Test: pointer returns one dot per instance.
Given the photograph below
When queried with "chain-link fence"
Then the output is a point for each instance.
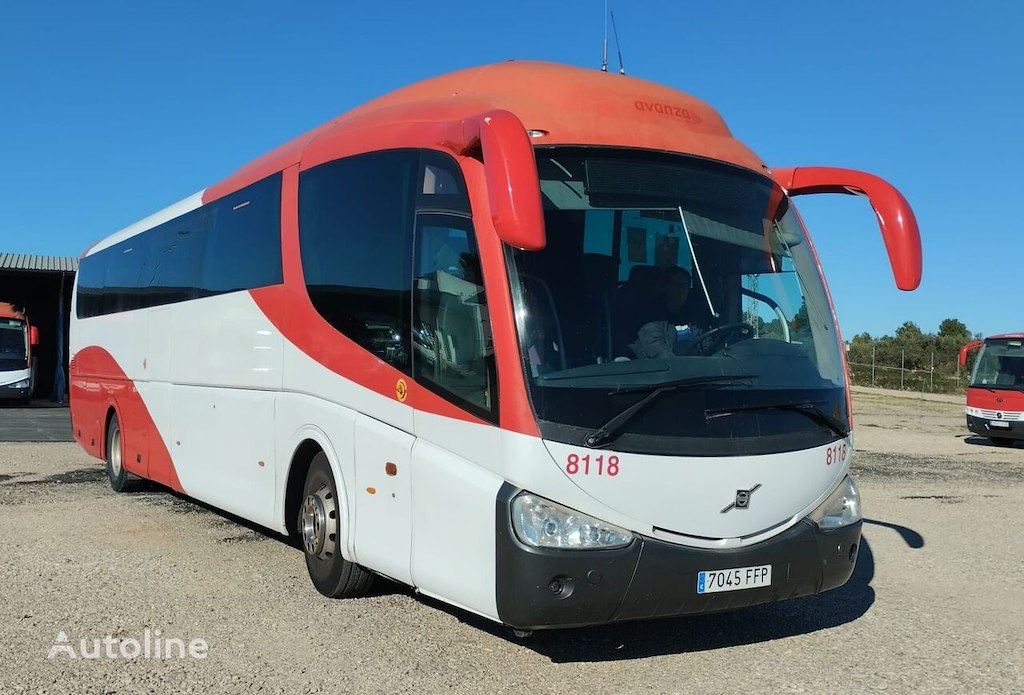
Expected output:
(939, 373)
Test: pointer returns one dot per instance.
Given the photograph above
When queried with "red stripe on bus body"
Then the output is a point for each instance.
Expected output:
(97, 384)
(303, 327)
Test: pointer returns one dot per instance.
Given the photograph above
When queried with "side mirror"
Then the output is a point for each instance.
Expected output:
(33, 335)
(510, 168)
(895, 218)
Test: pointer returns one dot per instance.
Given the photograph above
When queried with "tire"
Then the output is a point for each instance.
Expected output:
(319, 532)
(120, 479)
(1002, 441)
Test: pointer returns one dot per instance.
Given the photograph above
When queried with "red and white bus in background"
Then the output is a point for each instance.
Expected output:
(18, 338)
(410, 338)
(995, 393)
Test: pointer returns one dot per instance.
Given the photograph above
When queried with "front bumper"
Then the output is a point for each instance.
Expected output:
(650, 578)
(983, 426)
(11, 394)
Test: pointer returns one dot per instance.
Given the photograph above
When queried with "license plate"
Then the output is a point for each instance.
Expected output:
(999, 423)
(711, 581)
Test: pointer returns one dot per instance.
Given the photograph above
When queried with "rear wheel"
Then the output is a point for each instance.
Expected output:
(320, 532)
(120, 480)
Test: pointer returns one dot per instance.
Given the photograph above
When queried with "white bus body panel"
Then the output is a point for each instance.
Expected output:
(454, 542)
(383, 502)
(223, 448)
(691, 495)
(208, 371)
(13, 376)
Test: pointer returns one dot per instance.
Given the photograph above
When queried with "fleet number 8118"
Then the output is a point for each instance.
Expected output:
(835, 454)
(588, 465)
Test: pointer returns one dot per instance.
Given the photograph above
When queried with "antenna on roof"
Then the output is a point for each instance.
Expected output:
(604, 59)
(622, 68)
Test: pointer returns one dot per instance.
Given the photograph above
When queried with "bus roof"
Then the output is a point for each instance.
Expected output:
(569, 105)
(1006, 336)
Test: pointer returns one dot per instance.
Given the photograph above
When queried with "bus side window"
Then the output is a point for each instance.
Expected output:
(242, 239)
(355, 237)
(453, 352)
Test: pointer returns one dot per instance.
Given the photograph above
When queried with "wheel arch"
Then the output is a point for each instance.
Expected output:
(307, 443)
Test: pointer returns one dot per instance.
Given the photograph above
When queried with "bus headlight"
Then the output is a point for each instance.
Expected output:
(23, 384)
(842, 507)
(545, 524)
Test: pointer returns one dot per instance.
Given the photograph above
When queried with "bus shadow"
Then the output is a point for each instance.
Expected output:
(975, 440)
(157, 494)
(698, 633)
(689, 634)
(629, 640)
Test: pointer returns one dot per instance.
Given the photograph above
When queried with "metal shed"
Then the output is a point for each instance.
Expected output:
(42, 284)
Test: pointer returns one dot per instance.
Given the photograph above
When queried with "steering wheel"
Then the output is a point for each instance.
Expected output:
(718, 338)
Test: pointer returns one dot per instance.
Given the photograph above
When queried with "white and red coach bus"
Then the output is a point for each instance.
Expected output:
(995, 393)
(18, 339)
(415, 338)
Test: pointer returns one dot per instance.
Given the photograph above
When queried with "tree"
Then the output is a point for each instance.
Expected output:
(929, 359)
(955, 331)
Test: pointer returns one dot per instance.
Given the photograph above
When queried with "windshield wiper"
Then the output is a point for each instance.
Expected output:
(807, 408)
(606, 432)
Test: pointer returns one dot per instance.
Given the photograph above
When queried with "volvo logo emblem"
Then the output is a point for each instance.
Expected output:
(742, 500)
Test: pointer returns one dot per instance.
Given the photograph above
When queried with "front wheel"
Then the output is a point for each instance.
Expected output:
(320, 531)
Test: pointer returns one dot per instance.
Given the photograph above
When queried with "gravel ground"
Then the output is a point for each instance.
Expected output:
(934, 605)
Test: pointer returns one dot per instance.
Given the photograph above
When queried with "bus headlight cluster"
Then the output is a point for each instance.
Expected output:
(842, 507)
(23, 384)
(545, 524)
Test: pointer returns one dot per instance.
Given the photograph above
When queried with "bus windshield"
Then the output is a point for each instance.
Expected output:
(1000, 365)
(676, 309)
(13, 344)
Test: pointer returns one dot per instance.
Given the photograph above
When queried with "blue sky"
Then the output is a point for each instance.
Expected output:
(112, 110)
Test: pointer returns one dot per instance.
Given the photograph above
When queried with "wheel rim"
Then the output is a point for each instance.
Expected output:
(115, 453)
(319, 522)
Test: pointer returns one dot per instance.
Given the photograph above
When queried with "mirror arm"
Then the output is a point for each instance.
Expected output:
(973, 345)
(510, 169)
(895, 218)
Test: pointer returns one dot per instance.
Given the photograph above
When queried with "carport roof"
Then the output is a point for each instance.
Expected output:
(22, 261)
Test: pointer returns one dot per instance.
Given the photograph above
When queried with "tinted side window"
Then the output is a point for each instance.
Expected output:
(90, 276)
(122, 288)
(355, 234)
(452, 345)
(173, 266)
(114, 279)
(242, 239)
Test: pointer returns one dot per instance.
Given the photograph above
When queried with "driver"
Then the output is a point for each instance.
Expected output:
(668, 324)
